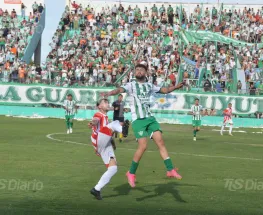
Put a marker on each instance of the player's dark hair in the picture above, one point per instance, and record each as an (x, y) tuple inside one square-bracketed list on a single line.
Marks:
[(196, 99), (120, 95), (70, 95), (101, 100), (142, 66)]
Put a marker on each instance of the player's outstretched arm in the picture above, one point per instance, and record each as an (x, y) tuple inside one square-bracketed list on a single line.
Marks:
[(113, 92), (93, 122), (165, 90)]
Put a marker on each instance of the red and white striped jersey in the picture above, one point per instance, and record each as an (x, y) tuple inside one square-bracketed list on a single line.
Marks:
[(227, 114), (102, 121)]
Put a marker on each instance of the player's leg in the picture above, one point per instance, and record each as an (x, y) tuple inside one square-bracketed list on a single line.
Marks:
[(222, 128), (139, 129), (230, 127), (121, 120), (115, 133), (156, 134), (142, 146), (67, 123), (171, 171), (106, 152), (194, 129), (194, 132), (197, 127), (71, 117)]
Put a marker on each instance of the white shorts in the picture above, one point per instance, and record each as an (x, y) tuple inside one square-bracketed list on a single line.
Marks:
[(229, 121), (104, 147)]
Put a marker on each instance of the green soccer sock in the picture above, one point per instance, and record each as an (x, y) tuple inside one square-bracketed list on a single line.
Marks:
[(168, 163), (134, 167), (67, 124), (194, 133), (71, 124)]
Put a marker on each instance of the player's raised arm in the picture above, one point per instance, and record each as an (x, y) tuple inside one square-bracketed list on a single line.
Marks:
[(113, 92), (165, 90), (93, 122)]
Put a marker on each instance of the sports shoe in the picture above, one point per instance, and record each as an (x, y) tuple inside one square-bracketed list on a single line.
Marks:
[(173, 174), (194, 139), (221, 133), (96, 193), (131, 179), (71, 130), (68, 131), (230, 134)]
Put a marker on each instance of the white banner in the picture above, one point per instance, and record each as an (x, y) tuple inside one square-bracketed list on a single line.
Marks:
[(177, 101)]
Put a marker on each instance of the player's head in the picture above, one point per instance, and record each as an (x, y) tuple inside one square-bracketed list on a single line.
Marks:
[(140, 71), (69, 96), (230, 105), (120, 97), (196, 101), (103, 105)]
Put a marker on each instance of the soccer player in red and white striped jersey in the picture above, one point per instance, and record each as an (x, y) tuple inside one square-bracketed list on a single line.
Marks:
[(101, 138), (99, 120), (227, 119)]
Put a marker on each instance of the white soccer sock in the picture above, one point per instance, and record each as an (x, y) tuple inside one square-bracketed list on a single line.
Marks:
[(106, 177), (222, 128), (230, 129)]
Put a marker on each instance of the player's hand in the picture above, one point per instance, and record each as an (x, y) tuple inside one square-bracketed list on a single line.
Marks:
[(90, 125), (104, 94), (179, 86)]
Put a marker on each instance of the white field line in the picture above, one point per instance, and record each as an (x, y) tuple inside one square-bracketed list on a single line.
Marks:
[(49, 136), (237, 131)]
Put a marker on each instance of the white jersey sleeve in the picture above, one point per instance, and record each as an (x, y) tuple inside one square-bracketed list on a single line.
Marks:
[(127, 87)]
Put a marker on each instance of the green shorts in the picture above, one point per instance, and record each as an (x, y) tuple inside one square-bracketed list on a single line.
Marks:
[(69, 117), (196, 123), (145, 127)]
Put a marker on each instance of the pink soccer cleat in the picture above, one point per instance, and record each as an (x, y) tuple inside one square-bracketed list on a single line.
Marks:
[(174, 174), (131, 179)]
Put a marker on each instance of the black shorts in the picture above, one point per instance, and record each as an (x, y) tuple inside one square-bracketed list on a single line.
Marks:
[(121, 119)]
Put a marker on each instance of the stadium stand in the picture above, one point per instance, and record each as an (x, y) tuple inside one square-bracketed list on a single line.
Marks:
[(16, 32), (212, 49)]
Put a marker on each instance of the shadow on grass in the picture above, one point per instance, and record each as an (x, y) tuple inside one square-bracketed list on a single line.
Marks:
[(125, 189), (154, 190)]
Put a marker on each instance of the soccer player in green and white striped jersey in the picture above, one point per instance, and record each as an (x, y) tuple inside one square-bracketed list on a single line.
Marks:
[(196, 111), (70, 109), (144, 123)]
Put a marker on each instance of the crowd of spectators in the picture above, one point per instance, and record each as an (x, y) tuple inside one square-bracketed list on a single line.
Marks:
[(16, 31), (85, 50)]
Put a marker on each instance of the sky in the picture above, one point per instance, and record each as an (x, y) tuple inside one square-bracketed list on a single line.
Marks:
[(54, 11)]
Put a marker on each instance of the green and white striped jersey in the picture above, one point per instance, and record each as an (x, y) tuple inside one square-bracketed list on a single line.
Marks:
[(196, 110), (70, 106), (139, 98)]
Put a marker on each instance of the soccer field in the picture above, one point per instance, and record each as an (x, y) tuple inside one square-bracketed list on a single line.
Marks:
[(221, 174)]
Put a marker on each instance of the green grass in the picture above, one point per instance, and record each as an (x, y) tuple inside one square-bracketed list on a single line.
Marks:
[(68, 171)]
